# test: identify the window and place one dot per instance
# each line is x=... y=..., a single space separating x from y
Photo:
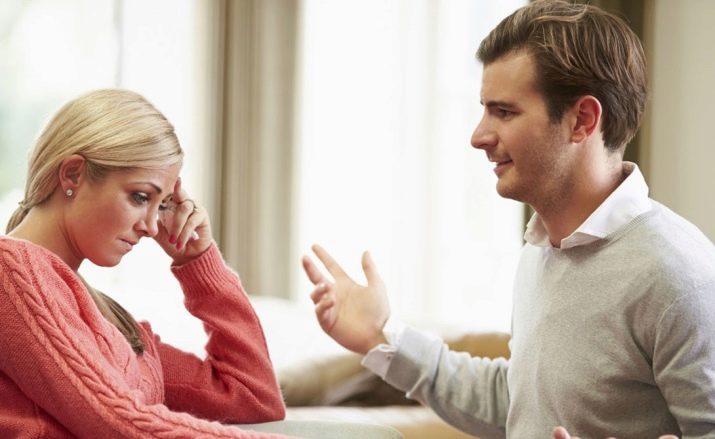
x=389 y=99
x=46 y=58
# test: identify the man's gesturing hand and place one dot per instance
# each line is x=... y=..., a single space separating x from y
x=352 y=314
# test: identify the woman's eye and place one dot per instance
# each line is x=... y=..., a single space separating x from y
x=140 y=198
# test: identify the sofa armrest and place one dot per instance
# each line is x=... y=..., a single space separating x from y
x=308 y=383
x=482 y=344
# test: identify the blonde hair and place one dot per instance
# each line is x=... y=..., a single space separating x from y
x=112 y=129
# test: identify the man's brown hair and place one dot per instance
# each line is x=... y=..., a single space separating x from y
x=579 y=50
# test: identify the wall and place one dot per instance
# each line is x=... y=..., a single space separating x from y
x=680 y=153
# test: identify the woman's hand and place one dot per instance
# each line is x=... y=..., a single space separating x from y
x=352 y=314
x=184 y=227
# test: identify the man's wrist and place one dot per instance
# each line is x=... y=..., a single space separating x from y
x=378 y=358
x=379 y=339
x=392 y=330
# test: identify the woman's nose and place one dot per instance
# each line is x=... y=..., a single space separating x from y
x=149 y=225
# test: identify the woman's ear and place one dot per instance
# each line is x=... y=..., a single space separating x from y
x=587 y=118
x=71 y=172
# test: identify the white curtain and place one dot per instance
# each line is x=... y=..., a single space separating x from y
x=253 y=159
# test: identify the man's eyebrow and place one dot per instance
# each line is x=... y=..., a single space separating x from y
x=503 y=104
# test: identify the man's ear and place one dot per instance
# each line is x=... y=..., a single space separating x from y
x=586 y=118
x=71 y=172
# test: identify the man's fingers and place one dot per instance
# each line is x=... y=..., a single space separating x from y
x=314 y=274
x=324 y=310
x=561 y=433
x=371 y=274
x=328 y=261
x=319 y=292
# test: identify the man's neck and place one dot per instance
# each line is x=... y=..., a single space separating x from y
x=562 y=217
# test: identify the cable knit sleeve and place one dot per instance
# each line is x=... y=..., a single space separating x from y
x=236 y=381
x=52 y=349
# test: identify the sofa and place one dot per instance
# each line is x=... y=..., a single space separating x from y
x=323 y=382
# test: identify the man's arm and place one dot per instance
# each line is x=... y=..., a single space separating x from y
x=684 y=361
x=469 y=393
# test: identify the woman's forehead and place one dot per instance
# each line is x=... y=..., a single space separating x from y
x=162 y=179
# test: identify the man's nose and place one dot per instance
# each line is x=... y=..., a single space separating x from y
x=483 y=136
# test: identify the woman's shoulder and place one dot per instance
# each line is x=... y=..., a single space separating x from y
x=19 y=251
x=40 y=279
x=27 y=259
x=15 y=252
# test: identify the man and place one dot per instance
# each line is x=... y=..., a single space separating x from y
x=613 y=330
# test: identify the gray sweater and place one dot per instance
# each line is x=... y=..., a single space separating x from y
x=616 y=337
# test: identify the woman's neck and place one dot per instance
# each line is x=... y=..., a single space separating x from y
x=43 y=226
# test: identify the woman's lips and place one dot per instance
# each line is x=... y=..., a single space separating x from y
x=128 y=245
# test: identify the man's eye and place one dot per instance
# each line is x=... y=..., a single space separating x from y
x=140 y=198
x=504 y=113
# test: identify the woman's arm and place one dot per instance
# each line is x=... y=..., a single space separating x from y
x=51 y=345
x=236 y=381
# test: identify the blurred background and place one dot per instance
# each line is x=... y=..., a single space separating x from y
x=339 y=122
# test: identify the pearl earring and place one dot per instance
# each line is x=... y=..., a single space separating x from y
x=69 y=192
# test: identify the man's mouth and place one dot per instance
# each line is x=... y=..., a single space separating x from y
x=501 y=166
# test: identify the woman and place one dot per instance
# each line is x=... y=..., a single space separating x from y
x=72 y=361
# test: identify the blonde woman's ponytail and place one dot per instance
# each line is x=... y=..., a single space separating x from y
x=17 y=216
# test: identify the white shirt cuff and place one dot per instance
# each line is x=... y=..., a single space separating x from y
x=378 y=359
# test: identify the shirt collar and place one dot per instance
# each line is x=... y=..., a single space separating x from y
x=629 y=200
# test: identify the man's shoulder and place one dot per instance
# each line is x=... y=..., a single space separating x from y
x=663 y=227
x=674 y=248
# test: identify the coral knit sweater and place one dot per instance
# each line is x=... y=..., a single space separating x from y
x=67 y=372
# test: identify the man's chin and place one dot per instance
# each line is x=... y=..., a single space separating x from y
x=505 y=190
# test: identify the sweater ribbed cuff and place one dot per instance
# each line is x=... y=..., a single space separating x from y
x=208 y=272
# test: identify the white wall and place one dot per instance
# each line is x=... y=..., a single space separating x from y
x=681 y=158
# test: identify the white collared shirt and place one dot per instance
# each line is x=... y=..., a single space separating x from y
x=629 y=200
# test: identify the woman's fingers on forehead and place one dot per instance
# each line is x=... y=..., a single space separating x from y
x=179 y=195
